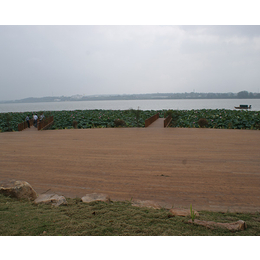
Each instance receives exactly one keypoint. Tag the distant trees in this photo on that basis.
(242, 94)
(245, 94)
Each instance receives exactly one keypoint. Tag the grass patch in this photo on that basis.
(23, 218)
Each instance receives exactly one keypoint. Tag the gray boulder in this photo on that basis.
(52, 199)
(17, 189)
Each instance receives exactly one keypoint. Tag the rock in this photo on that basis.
(146, 203)
(17, 189)
(182, 212)
(53, 199)
(95, 197)
(234, 226)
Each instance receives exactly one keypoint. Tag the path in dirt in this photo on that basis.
(213, 169)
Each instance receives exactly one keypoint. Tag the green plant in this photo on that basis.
(217, 118)
(168, 113)
(203, 122)
(119, 122)
(192, 213)
(257, 126)
(6, 118)
(175, 114)
(137, 114)
(47, 114)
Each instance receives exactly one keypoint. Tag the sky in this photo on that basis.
(66, 60)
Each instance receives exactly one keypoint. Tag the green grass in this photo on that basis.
(23, 218)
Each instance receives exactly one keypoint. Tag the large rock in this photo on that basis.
(146, 204)
(182, 212)
(95, 197)
(234, 226)
(17, 189)
(53, 199)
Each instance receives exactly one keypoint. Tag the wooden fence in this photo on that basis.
(151, 120)
(40, 124)
(45, 123)
(167, 120)
(24, 125)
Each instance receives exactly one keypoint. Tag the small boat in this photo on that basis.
(244, 107)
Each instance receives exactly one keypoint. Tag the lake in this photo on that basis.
(158, 104)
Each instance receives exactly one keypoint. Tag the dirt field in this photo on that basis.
(216, 170)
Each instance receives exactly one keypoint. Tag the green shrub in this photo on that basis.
(203, 122)
(119, 122)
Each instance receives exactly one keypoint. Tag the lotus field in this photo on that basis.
(218, 118)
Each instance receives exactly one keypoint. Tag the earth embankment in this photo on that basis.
(211, 169)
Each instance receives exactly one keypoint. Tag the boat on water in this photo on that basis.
(244, 107)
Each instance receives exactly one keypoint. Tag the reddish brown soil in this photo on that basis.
(216, 170)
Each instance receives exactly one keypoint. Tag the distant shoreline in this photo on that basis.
(153, 96)
(144, 104)
(75, 100)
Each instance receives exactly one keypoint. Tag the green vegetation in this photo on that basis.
(203, 122)
(119, 123)
(7, 123)
(137, 114)
(84, 118)
(75, 124)
(217, 118)
(192, 213)
(23, 218)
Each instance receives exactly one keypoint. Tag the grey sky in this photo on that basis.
(37, 61)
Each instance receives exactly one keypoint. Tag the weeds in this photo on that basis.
(192, 213)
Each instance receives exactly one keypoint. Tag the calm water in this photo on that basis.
(179, 104)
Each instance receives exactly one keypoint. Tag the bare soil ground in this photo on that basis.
(217, 170)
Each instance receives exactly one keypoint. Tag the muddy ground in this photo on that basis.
(213, 169)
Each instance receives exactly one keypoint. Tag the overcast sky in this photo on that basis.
(38, 61)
